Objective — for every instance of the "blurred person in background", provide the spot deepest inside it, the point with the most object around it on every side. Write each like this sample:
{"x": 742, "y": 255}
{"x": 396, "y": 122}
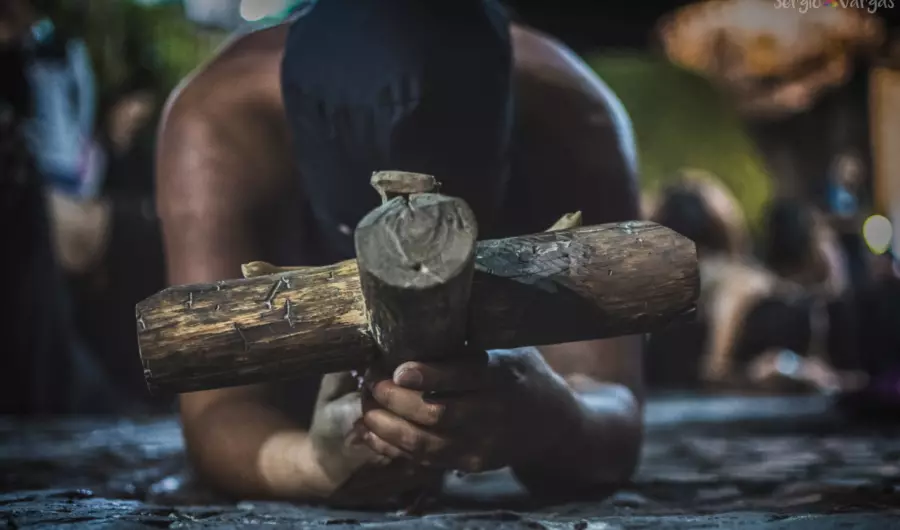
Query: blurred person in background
{"x": 761, "y": 325}
{"x": 696, "y": 204}
{"x": 61, "y": 133}
{"x": 130, "y": 128}
{"x": 878, "y": 306}
{"x": 45, "y": 369}
{"x": 102, "y": 223}
{"x": 785, "y": 322}
{"x": 800, "y": 245}
{"x": 265, "y": 153}
{"x": 846, "y": 192}
{"x": 845, "y": 181}
{"x": 61, "y": 136}
{"x": 111, "y": 244}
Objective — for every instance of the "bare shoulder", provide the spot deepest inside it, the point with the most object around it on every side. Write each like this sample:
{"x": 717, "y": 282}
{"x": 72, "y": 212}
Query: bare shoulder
{"x": 549, "y": 73}
{"x": 244, "y": 70}
{"x": 223, "y": 141}
{"x": 543, "y": 60}
{"x": 540, "y": 56}
{"x": 569, "y": 122}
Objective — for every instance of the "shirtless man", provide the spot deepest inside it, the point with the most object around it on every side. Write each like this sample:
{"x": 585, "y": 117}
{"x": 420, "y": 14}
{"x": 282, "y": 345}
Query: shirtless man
{"x": 265, "y": 153}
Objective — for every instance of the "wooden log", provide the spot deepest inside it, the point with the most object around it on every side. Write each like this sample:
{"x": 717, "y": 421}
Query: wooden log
{"x": 415, "y": 257}
{"x": 584, "y": 283}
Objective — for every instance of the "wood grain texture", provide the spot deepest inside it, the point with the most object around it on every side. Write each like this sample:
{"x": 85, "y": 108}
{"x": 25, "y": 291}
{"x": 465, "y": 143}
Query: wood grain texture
{"x": 579, "y": 284}
{"x": 244, "y": 331}
{"x": 415, "y": 258}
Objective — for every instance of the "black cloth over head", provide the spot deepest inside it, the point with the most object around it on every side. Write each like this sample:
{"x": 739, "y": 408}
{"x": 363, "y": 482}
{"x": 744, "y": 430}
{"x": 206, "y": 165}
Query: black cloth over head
{"x": 409, "y": 85}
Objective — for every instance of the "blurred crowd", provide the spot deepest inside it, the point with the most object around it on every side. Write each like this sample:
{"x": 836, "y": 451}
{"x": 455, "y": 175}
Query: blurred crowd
{"x": 78, "y": 201}
{"x": 804, "y": 303}
{"x": 799, "y": 307}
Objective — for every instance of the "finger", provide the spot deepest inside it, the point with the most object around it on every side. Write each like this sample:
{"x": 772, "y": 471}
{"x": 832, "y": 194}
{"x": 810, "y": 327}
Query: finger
{"x": 404, "y": 435}
{"x": 442, "y": 414}
{"x": 471, "y": 373}
{"x": 407, "y": 404}
{"x": 356, "y": 434}
{"x": 334, "y": 386}
{"x": 360, "y": 436}
{"x": 335, "y": 420}
{"x": 387, "y": 451}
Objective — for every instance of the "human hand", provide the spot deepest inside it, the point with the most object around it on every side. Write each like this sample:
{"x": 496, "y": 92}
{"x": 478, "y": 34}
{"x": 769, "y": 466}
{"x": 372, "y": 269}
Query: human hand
{"x": 483, "y": 412}
{"x": 343, "y": 468}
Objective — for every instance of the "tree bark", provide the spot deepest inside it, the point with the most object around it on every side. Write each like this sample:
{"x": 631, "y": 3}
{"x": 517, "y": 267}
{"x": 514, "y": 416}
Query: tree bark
{"x": 579, "y": 284}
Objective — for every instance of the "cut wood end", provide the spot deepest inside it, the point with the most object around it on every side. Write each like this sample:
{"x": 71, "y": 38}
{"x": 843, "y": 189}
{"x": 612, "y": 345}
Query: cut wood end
{"x": 419, "y": 243}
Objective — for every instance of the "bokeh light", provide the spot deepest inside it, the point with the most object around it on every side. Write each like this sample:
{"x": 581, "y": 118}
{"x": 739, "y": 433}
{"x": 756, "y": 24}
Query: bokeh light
{"x": 877, "y": 232}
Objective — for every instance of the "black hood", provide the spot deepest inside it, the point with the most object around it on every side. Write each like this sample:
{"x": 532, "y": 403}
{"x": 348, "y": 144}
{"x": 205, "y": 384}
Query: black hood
{"x": 409, "y": 85}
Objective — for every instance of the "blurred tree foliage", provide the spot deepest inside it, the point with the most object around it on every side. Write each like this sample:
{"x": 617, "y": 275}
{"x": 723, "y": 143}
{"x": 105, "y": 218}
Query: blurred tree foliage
{"x": 136, "y": 46}
{"x": 680, "y": 121}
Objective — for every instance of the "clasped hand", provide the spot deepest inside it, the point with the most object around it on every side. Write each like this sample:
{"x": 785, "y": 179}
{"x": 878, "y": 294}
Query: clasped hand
{"x": 485, "y": 412}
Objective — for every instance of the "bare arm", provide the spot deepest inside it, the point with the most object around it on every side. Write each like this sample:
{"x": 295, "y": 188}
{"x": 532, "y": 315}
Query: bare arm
{"x": 222, "y": 180}
{"x": 587, "y": 137}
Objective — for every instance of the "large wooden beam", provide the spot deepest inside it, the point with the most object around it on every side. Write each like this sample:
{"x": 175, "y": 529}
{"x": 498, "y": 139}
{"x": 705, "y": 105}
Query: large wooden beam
{"x": 580, "y": 284}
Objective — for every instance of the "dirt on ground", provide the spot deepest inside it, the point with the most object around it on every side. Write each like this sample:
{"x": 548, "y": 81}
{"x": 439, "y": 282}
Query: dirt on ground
{"x": 708, "y": 462}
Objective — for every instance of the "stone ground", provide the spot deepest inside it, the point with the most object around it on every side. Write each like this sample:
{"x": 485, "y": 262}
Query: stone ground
{"x": 735, "y": 463}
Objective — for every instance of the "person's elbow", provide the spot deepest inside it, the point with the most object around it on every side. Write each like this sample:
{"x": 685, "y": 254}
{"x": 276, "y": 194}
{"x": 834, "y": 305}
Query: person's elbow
{"x": 622, "y": 439}
{"x": 599, "y": 456}
{"x": 630, "y": 440}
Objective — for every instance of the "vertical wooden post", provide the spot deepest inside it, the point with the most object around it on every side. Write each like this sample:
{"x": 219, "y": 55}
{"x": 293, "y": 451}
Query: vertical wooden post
{"x": 416, "y": 260}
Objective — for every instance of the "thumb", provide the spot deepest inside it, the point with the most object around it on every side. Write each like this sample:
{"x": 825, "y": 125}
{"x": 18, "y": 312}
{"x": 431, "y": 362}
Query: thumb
{"x": 335, "y": 386}
{"x": 333, "y": 421}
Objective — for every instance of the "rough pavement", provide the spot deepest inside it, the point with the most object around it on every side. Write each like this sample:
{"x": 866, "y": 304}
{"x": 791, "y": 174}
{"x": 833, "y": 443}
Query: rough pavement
{"x": 736, "y": 463}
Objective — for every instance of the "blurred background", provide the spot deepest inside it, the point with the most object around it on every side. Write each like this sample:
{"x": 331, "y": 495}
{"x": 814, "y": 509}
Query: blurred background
{"x": 766, "y": 133}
